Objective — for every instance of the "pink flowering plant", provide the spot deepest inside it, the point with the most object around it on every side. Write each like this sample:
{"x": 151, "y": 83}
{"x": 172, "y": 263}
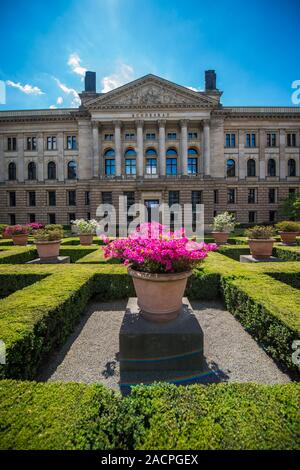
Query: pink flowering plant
{"x": 153, "y": 249}
{"x": 12, "y": 230}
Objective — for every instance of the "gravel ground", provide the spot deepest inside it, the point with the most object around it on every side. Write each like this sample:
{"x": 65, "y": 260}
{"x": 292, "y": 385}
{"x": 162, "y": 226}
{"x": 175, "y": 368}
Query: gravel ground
{"x": 91, "y": 353}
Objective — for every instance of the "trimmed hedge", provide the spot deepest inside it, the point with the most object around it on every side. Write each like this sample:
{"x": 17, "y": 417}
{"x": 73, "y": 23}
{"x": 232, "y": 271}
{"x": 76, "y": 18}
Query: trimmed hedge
{"x": 10, "y": 283}
{"x": 18, "y": 255}
{"x": 161, "y": 416}
{"x": 288, "y": 253}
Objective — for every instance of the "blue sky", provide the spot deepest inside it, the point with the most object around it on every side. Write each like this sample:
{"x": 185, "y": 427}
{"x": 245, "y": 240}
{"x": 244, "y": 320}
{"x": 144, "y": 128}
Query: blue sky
{"x": 47, "y": 45}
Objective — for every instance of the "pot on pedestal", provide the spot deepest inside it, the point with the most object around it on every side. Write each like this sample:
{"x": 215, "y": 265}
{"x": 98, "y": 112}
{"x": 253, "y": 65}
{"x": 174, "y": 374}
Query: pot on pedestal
{"x": 48, "y": 249}
{"x": 261, "y": 248}
{"x": 86, "y": 239}
{"x": 20, "y": 240}
{"x": 220, "y": 237}
{"x": 289, "y": 238}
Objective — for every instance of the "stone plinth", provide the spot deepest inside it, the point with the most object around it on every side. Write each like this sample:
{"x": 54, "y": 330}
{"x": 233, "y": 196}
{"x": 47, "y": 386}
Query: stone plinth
{"x": 250, "y": 259}
{"x": 58, "y": 260}
{"x": 165, "y": 347}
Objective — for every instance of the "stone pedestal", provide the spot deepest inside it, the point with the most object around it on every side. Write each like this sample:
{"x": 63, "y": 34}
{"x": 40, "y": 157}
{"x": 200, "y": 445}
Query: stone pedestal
{"x": 171, "y": 348}
{"x": 250, "y": 259}
{"x": 58, "y": 260}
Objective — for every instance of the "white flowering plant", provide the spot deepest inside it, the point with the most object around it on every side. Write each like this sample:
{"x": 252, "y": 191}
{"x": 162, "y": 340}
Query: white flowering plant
{"x": 83, "y": 226}
{"x": 224, "y": 222}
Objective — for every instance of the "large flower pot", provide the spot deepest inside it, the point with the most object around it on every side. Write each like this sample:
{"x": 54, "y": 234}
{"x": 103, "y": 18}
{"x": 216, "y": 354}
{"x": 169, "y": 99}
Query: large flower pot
{"x": 288, "y": 238}
{"x": 20, "y": 240}
{"x": 86, "y": 238}
{"x": 159, "y": 295}
{"x": 261, "y": 248}
{"x": 48, "y": 249}
{"x": 220, "y": 237}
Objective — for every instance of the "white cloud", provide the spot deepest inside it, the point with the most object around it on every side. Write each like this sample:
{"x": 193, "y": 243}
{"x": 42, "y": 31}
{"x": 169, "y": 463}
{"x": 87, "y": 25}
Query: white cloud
{"x": 52, "y": 106}
{"x": 192, "y": 88}
{"x": 70, "y": 92}
{"x": 59, "y": 100}
{"x": 27, "y": 89}
{"x": 124, "y": 74}
{"x": 74, "y": 63}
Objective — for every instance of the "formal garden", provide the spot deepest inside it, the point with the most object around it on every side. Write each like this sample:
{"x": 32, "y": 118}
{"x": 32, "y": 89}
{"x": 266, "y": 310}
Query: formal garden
{"x": 53, "y": 396}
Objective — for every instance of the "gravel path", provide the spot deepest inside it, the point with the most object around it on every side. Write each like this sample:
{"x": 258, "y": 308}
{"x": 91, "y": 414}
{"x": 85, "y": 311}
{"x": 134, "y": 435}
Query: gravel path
{"x": 91, "y": 353}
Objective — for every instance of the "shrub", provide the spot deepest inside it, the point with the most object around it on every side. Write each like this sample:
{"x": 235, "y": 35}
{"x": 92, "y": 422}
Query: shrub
{"x": 54, "y": 227}
{"x": 12, "y": 230}
{"x": 260, "y": 232}
{"x": 288, "y": 226}
{"x": 48, "y": 235}
{"x": 85, "y": 226}
{"x": 224, "y": 222}
{"x": 2, "y": 228}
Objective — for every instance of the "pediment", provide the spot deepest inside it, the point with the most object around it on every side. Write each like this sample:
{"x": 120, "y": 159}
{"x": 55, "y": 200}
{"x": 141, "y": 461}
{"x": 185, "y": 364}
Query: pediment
{"x": 152, "y": 92}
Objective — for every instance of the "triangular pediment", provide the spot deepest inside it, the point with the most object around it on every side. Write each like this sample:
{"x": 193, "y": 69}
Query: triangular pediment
{"x": 152, "y": 92}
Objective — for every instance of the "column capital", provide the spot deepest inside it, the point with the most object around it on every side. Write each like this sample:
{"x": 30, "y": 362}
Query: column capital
{"x": 117, "y": 123}
{"x": 162, "y": 122}
{"x": 184, "y": 122}
{"x": 206, "y": 122}
{"x": 139, "y": 123}
{"x": 96, "y": 125}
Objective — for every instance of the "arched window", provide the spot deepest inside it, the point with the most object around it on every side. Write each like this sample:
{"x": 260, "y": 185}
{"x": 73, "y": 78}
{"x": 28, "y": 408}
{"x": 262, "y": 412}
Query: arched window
{"x": 271, "y": 167}
{"x": 12, "y": 171}
{"x": 171, "y": 162}
{"x": 31, "y": 171}
{"x": 151, "y": 162}
{"x": 230, "y": 168}
{"x": 72, "y": 170}
{"x": 51, "y": 171}
{"x": 251, "y": 167}
{"x": 109, "y": 162}
{"x": 130, "y": 162}
{"x": 192, "y": 161}
{"x": 130, "y": 153}
{"x": 291, "y": 167}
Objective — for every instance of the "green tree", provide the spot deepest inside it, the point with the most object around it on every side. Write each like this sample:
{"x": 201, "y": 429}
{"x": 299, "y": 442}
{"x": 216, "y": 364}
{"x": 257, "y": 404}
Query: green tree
{"x": 290, "y": 207}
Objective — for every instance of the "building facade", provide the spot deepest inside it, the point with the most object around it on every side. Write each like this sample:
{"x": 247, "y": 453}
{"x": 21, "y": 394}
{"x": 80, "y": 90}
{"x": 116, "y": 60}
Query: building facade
{"x": 154, "y": 141}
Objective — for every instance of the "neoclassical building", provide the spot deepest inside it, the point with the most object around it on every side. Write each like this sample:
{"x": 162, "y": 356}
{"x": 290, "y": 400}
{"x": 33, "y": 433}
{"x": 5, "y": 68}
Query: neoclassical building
{"x": 154, "y": 141}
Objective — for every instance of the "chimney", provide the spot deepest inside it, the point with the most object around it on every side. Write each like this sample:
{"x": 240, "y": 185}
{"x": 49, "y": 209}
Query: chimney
{"x": 210, "y": 80}
{"x": 90, "y": 82}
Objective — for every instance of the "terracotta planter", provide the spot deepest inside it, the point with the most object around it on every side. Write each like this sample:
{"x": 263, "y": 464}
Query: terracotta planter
{"x": 159, "y": 295}
{"x": 48, "y": 249}
{"x": 20, "y": 240}
{"x": 288, "y": 238}
{"x": 261, "y": 248}
{"x": 86, "y": 238}
{"x": 220, "y": 237}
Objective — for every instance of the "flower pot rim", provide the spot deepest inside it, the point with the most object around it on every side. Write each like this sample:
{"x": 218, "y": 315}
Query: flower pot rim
{"x": 161, "y": 277}
{"x": 284, "y": 232}
{"x": 86, "y": 234}
{"x": 45, "y": 242}
{"x": 262, "y": 240}
{"x": 21, "y": 235}
{"x": 220, "y": 231}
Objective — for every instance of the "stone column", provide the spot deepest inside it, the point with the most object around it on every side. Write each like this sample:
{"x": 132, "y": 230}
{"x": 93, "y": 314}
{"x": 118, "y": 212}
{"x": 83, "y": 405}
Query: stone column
{"x": 60, "y": 170}
{"x": 206, "y": 146}
{"x": 118, "y": 147}
{"x": 40, "y": 155}
{"x": 96, "y": 150}
{"x": 261, "y": 171}
{"x": 162, "y": 147}
{"x": 184, "y": 146}
{"x": 85, "y": 170}
{"x": 140, "y": 148}
{"x": 20, "y": 163}
{"x": 2, "y": 170}
{"x": 282, "y": 162}
{"x": 240, "y": 162}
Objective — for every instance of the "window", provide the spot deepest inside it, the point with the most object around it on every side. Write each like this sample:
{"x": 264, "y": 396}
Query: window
{"x": 150, "y": 136}
{"x": 12, "y": 171}
{"x": 272, "y": 216}
{"x": 271, "y": 139}
{"x": 108, "y": 136}
{"x": 31, "y": 143}
{"x": 173, "y": 198}
{"x": 31, "y": 218}
{"x": 230, "y": 140}
{"x": 196, "y": 199}
{"x": 252, "y": 217}
{"x": 130, "y": 201}
{"x": 72, "y": 170}
{"x": 72, "y": 217}
{"x": 71, "y": 142}
{"x": 88, "y": 215}
{"x": 231, "y": 196}
{"x": 171, "y": 162}
{"x": 130, "y": 163}
{"x": 31, "y": 171}
{"x": 291, "y": 167}
{"x": 87, "y": 199}
{"x": 72, "y": 198}
{"x": 51, "y": 143}
{"x": 106, "y": 197}
{"x": 291, "y": 140}
{"x": 11, "y": 144}
{"x": 251, "y": 167}
{"x": 172, "y": 136}
{"x": 129, "y": 136}
{"x": 52, "y": 218}
{"x": 12, "y": 219}
{"x": 52, "y": 198}
{"x": 292, "y": 191}
{"x": 272, "y": 195}
{"x": 12, "y": 198}
{"x": 230, "y": 168}
{"x": 31, "y": 199}
{"x": 151, "y": 166}
{"x": 192, "y": 161}
{"x": 109, "y": 162}
{"x": 216, "y": 196}
{"x": 51, "y": 171}
{"x": 192, "y": 135}
{"x": 252, "y": 196}
{"x": 250, "y": 140}
{"x": 271, "y": 167}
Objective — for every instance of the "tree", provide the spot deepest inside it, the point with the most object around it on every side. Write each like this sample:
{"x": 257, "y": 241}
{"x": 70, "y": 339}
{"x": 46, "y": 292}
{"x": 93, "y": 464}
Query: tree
{"x": 290, "y": 207}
